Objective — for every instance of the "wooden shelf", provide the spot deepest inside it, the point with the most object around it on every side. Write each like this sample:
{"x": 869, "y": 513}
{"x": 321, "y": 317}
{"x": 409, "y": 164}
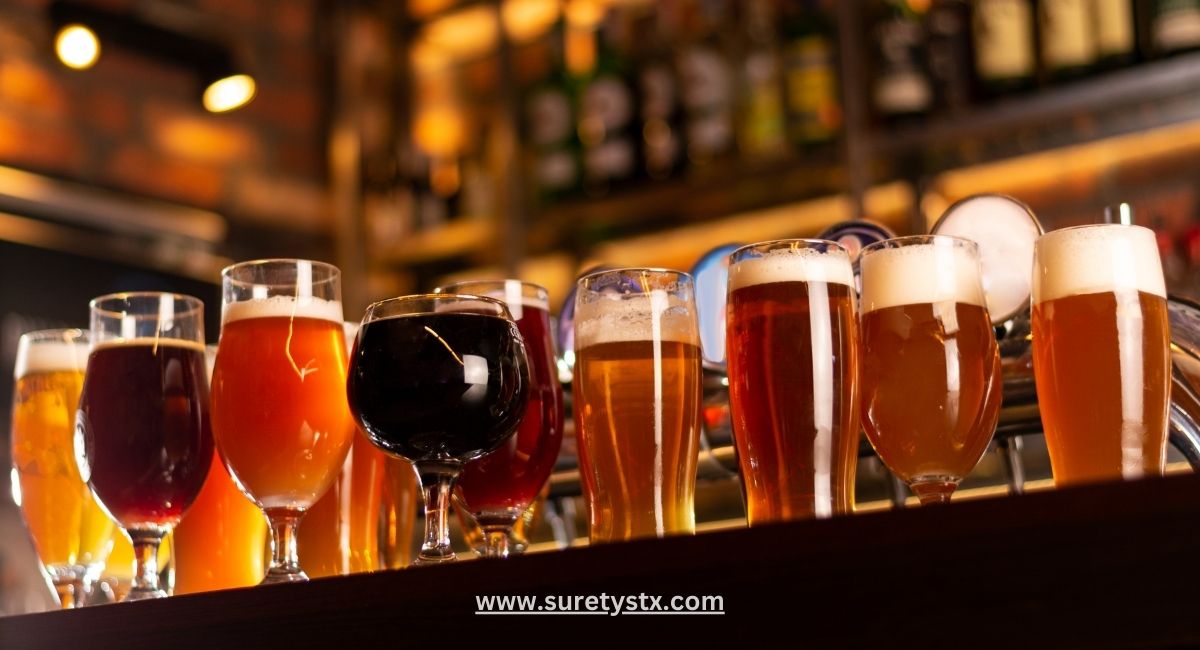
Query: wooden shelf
{"x": 1097, "y": 566}
{"x": 462, "y": 237}
{"x": 1130, "y": 99}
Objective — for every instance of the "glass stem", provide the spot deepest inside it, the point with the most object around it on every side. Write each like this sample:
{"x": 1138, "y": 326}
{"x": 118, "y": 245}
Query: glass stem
{"x": 285, "y": 562}
{"x": 145, "y": 561}
{"x": 495, "y": 541}
{"x": 437, "y": 482}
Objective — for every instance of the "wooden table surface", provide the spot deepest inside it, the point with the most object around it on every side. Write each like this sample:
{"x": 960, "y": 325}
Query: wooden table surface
{"x": 1100, "y": 566}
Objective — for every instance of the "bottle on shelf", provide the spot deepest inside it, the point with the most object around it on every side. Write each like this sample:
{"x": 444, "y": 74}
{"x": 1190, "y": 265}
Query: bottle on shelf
{"x": 548, "y": 122}
{"x": 660, "y": 109}
{"x": 812, "y": 100}
{"x": 607, "y": 118}
{"x": 706, "y": 83}
{"x": 1116, "y": 36}
{"x": 1175, "y": 27}
{"x": 901, "y": 88}
{"x": 1003, "y": 36}
{"x": 948, "y": 30}
{"x": 1068, "y": 38}
{"x": 760, "y": 120}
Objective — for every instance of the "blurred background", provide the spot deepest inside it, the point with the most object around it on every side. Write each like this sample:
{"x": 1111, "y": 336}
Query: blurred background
{"x": 144, "y": 144}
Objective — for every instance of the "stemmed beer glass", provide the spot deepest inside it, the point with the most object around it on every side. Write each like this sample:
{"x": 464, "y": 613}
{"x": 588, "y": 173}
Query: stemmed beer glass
{"x": 143, "y": 419}
{"x": 499, "y": 487}
{"x": 440, "y": 380}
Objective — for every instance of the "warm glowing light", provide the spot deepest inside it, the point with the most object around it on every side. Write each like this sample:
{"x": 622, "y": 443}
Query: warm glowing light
{"x": 525, "y": 20}
{"x": 229, "y": 93}
{"x": 440, "y": 131}
{"x": 77, "y": 47}
{"x": 15, "y": 482}
{"x": 464, "y": 34}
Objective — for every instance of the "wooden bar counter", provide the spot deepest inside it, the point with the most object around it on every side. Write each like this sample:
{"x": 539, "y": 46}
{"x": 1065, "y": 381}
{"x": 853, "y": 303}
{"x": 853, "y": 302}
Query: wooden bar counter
{"x": 1100, "y": 566}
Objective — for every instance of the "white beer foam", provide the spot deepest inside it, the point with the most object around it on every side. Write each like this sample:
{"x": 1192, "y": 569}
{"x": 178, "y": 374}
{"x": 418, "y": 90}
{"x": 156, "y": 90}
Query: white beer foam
{"x": 50, "y": 356}
{"x": 150, "y": 342}
{"x": 609, "y": 319}
{"x": 283, "y": 307}
{"x": 1097, "y": 259}
{"x": 792, "y": 265}
{"x": 920, "y": 274}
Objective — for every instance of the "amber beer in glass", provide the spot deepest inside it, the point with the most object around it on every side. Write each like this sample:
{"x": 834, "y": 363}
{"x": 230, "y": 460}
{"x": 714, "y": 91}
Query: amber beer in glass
{"x": 931, "y": 385}
{"x": 70, "y": 532}
{"x": 498, "y": 488}
{"x": 143, "y": 420}
{"x": 637, "y": 402}
{"x": 791, "y": 342}
{"x": 279, "y": 392}
{"x": 1101, "y": 352}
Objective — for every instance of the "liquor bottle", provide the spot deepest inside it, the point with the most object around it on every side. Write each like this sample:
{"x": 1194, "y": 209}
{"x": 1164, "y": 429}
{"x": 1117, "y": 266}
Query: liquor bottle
{"x": 948, "y": 29}
{"x": 1116, "y": 40}
{"x": 707, "y": 83}
{"x": 1175, "y": 26}
{"x": 1068, "y": 38}
{"x": 660, "y": 108}
{"x": 549, "y": 126}
{"x": 608, "y": 112}
{"x": 760, "y": 121}
{"x": 1003, "y": 37}
{"x": 901, "y": 87}
{"x": 811, "y": 96}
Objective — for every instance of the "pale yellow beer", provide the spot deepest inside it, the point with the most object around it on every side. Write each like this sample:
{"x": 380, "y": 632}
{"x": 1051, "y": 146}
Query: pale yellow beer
{"x": 931, "y": 384}
{"x": 637, "y": 402}
{"x": 69, "y": 530}
{"x": 1101, "y": 346}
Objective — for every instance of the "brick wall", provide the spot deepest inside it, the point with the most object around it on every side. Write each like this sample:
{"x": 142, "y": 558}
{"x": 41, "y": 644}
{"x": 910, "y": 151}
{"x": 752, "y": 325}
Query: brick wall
{"x": 135, "y": 125}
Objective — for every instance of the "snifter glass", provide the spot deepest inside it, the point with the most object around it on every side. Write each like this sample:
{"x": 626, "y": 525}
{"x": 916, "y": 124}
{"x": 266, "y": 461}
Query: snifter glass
{"x": 143, "y": 423}
{"x": 931, "y": 385}
{"x": 792, "y": 353}
{"x": 499, "y": 487}
{"x": 1101, "y": 352}
{"x": 637, "y": 401}
{"x": 439, "y": 380}
{"x": 71, "y": 534}
{"x": 280, "y": 416}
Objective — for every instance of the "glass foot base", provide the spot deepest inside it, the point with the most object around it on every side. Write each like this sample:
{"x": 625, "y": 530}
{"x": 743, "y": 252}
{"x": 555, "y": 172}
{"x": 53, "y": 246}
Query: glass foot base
{"x": 143, "y": 594}
{"x": 934, "y": 489}
{"x": 430, "y": 560}
{"x": 274, "y": 577}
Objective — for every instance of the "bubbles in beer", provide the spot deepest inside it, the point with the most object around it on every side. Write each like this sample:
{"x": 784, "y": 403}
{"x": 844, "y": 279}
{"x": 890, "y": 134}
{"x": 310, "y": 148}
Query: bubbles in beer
{"x": 283, "y": 307}
{"x": 1097, "y": 259}
{"x": 793, "y": 265}
{"x": 937, "y": 272}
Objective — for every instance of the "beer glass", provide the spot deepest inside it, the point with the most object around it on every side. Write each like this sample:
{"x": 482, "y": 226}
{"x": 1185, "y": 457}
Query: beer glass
{"x": 637, "y": 402}
{"x": 143, "y": 419}
{"x": 219, "y": 545}
{"x": 792, "y": 354}
{"x": 499, "y": 487}
{"x": 1101, "y": 352}
{"x": 931, "y": 385}
{"x": 70, "y": 532}
{"x": 340, "y": 533}
{"x": 399, "y": 512}
{"x": 439, "y": 380}
{"x": 279, "y": 393}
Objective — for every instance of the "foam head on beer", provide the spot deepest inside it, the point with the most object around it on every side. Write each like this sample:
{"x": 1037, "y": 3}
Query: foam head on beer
{"x": 942, "y": 271}
{"x": 1097, "y": 259}
{"x": 283, "y": 307}
{"x": 831, "y": 266}
{"x": 51, "y": 356}
{"x": 654, "y": 313}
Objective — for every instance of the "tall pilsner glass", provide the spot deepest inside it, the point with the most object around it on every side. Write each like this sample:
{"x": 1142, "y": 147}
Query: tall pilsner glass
{"x": 71, "y": 534}
{"x": 637, "y": 401}
{"x": 792, "y": 349}
{"x": 1101, "y": 352}
{"x": 143, "y": 419}
{"x": 931, "y": 386}
{"x": 279, "y": 393}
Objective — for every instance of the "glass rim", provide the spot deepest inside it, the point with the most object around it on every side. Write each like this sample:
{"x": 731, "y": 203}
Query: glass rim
{"x": 226, "y": 272}
{"x": 415, "y": 297}
{"x": 1086, "y": 226}
{"x": 194, "y": 304}
{"x": 54, "y": 334}
{"x": 807, "y": 241}
{"x": 442, "y": 290}
{"x": 917, "y": 240}
{"x": 628, "y": 269}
